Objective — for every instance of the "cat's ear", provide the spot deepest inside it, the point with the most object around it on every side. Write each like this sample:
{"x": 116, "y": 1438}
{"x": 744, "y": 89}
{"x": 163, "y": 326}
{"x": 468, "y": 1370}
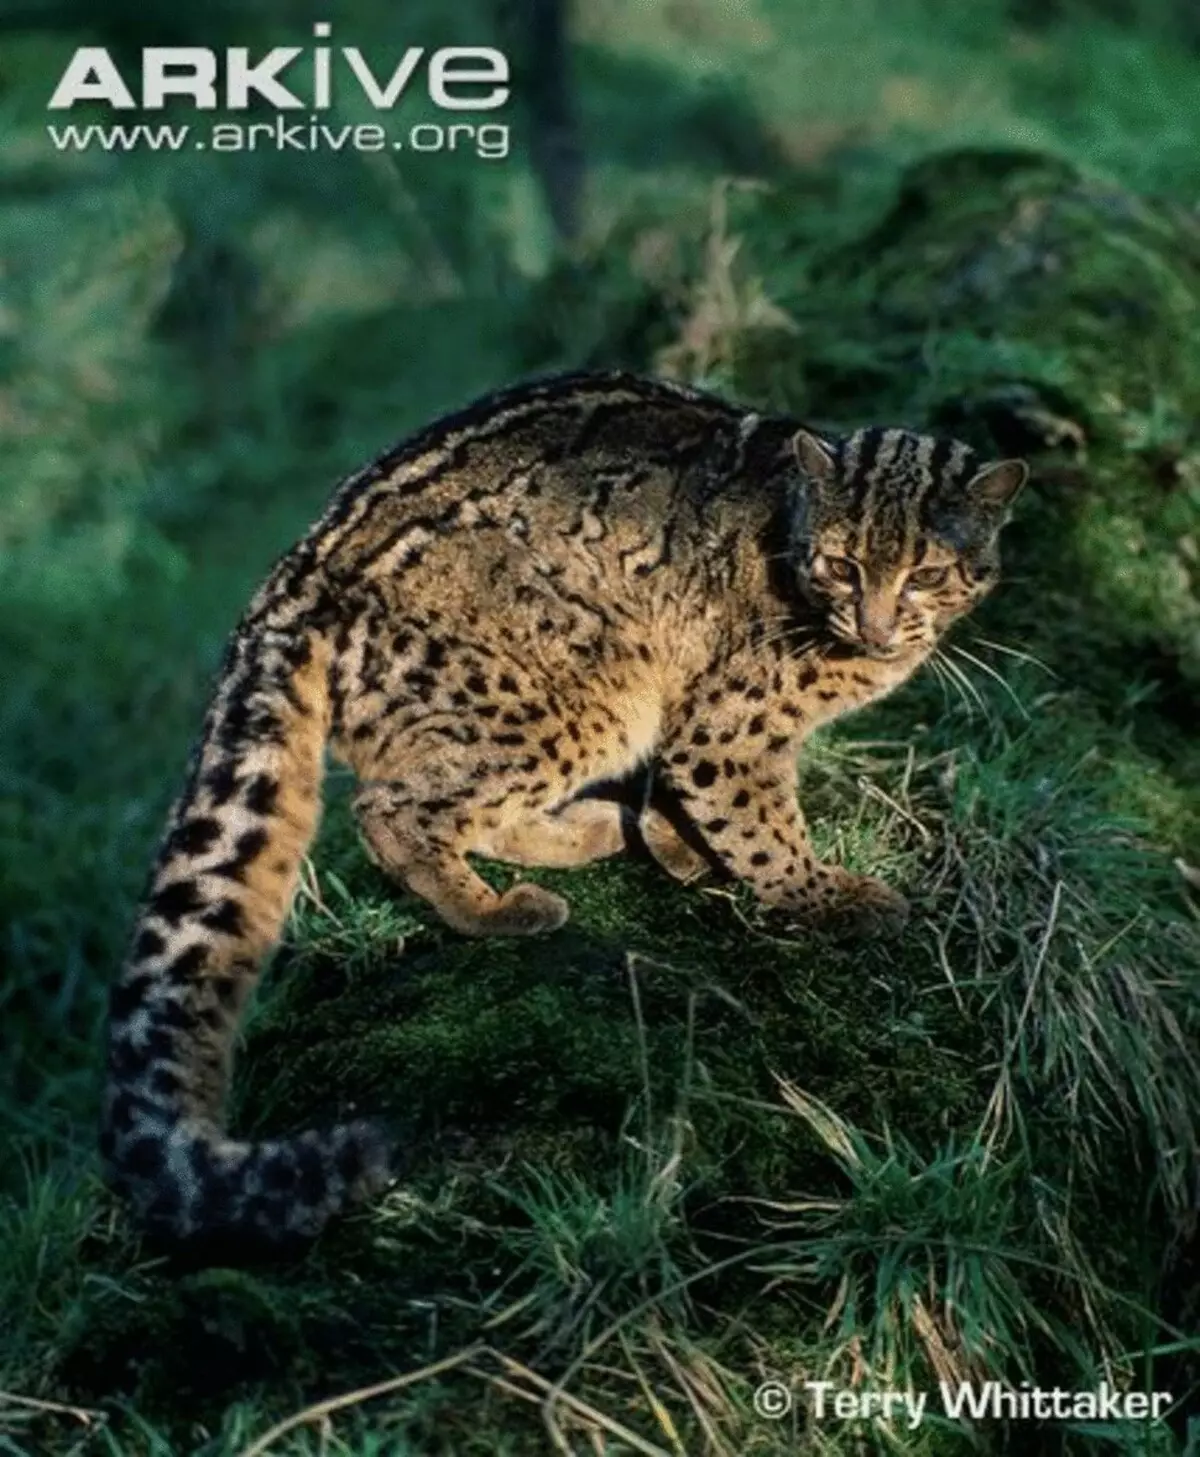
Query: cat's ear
{"x": 815, "y": 456}
{"x": 998, "y": 484}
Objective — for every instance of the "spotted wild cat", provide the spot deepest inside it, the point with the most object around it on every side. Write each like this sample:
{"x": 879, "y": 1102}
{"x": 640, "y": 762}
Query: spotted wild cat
{"x": 527, "y": 600}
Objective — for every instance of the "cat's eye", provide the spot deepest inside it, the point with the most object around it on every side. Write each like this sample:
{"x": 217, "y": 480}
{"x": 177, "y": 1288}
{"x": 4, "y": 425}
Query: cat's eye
{"x": 927, "y": 579}
{"x": 837, "y": 568}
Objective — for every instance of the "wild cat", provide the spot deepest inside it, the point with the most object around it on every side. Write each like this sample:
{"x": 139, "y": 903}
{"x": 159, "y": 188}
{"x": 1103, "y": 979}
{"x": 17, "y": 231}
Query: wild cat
{"x": 528, "y": 599}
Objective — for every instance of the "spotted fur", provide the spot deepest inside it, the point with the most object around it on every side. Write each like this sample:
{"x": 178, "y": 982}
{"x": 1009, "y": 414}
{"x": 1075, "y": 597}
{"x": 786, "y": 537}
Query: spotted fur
{"x": 520, "y": 608}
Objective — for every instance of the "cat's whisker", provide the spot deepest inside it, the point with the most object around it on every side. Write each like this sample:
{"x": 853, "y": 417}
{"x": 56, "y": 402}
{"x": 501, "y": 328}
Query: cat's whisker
{"x": 971, "y": 687}
{"x": 1011, "y": 652}
{"x": 971, "y": 696}
{"x": 936, "y": 669}
{"x": 952, "y": 688}
{"x": 992, "y": 673}
{"x": 792, "y": 636}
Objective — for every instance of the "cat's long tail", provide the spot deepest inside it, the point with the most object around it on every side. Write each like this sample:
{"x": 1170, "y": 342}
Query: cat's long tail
{"x": 215, "y": 905}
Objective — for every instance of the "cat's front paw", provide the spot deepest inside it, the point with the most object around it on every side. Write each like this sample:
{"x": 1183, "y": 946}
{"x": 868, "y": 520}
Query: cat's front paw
{"x": 669, "y": 849}
{"x": 848, "y": 907}
{"x": 868, "y": 909}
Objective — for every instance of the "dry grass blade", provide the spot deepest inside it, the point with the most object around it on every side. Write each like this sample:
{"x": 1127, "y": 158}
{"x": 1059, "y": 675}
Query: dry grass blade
{"x": 699, "y": 1378}
{"x": 661, "y": 1415}
{"x": 83, "y": 1414}
{"x": 1190, "y": 874}
{"x": 319, "y": 1410}
{"x": 550, "y": 1395}
{"x": 823, "y": 1121}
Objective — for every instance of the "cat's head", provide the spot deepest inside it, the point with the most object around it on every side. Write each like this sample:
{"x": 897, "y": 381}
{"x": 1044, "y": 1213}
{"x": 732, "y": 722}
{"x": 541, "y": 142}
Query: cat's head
{"x": 896, "y": 534}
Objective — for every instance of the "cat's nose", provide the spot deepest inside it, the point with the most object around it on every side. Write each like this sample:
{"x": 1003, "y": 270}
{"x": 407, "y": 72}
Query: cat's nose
{"x": 876, "y": 625}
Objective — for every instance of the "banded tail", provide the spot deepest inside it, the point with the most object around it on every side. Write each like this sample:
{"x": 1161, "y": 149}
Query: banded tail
{"x": 215, "y": 905}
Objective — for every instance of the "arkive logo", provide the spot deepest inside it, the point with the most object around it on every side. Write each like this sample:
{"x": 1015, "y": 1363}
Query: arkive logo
{"x": 289, "y": 78}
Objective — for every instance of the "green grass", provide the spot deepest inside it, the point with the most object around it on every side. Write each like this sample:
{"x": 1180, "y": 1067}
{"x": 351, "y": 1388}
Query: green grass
{"x": 670, "y": 1152}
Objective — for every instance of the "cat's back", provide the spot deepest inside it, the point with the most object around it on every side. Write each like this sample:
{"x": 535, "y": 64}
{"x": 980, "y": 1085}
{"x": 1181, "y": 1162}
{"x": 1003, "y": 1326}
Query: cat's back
{"x": 527, "y": 460}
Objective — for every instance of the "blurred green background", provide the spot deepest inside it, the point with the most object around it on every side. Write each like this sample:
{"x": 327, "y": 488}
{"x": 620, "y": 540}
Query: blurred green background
{"x": 194, "y": 348}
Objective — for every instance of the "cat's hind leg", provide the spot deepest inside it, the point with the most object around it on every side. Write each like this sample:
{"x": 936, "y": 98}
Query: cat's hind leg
{"x": 595, "y": 827}
{"x": 580, "y": 832}
{"x": 423, "y": 844}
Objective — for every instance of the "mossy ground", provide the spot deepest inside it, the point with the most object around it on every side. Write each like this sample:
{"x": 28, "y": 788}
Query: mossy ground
{"x": 672, "y": 1150}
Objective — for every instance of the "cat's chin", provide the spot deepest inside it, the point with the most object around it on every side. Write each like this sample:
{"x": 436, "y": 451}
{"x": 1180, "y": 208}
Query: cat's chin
{"x": 891, "y": 654}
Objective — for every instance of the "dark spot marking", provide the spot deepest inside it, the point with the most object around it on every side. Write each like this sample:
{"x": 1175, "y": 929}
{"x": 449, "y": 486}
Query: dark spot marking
{"x": 185, "y": 966}
{"x": 175, "y": 1015}
{"x": 757, "y": 724}
{"x": 127, "y": 1061}
{"x": 221, "y": 783}
{"x": 760, "y": 857}
{"x": 249, "y": 846}
{"x": 128, "y": 995}
{"x": 166, "y": 1206}
{"x": 144, "y": 1158}
{"x": 312, "y": 1181}
{"x": 704, "y": 774}
{"x": 261, "y": 794}
{"x": 349, "y": 1162}
{"x": 194, "y": 837}
{"x": 226, "y": 917}
{"x": 148, "y": 943}
{"x": 165, "y": 1081}
{"x": 741, "y": 799}
{"x": 278, "y": 1174}
{"x": 422, "y": 683}
{"x": 176, "y": 899}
